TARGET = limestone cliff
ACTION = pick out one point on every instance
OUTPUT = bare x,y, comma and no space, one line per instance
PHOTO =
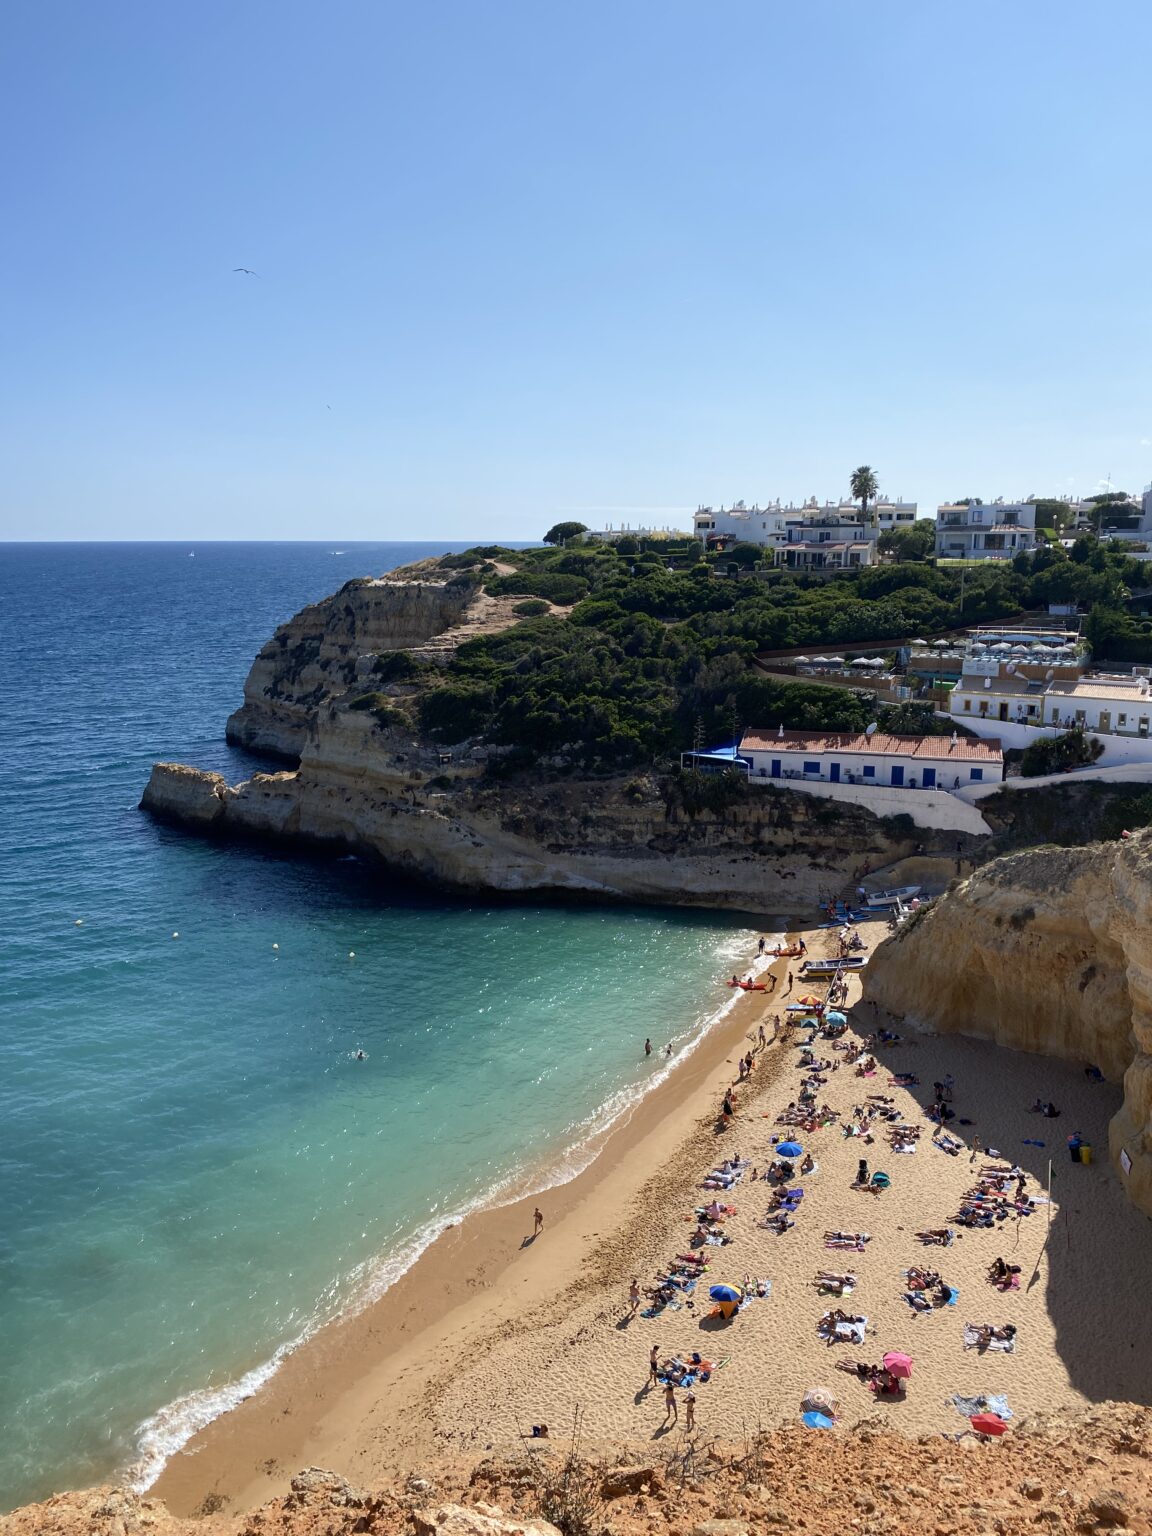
327,647
1049,950
369,790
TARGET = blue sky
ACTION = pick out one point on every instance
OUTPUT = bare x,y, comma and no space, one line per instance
522,261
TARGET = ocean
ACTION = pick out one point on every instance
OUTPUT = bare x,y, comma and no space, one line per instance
196,1170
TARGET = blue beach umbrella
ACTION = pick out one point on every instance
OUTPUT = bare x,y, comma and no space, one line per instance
835,1017
816,1420
726,1293
790,1149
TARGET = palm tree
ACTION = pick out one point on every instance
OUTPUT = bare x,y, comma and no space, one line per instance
865,488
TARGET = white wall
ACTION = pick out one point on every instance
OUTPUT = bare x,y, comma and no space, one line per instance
1117,749
927,808
1127,773
947,770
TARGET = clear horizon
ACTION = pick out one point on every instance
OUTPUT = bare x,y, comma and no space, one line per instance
512,265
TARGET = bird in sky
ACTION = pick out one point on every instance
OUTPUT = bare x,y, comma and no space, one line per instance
248,270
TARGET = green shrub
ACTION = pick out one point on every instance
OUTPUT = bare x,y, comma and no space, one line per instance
1059,754
398,667
382,709
555,586
531,607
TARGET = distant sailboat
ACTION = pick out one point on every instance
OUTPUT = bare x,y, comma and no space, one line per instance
191,554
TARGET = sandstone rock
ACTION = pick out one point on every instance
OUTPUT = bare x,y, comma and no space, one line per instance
1047,951
721,1528
1110,1507
621,1481
457,1520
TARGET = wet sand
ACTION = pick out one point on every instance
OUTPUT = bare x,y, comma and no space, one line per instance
492,1331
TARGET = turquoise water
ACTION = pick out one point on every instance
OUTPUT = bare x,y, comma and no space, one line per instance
195,1169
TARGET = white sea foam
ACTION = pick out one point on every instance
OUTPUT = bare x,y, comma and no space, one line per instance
168,1431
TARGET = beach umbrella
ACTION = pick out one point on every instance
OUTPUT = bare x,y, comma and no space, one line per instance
810,1001
839,660
820,1400
1001,645
817,1420
726,1293
835,1017
918,642
942,644
988,1424
800,661
898,1365
877,661
861,661
790,1149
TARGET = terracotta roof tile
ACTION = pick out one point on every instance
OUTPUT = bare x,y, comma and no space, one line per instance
931,748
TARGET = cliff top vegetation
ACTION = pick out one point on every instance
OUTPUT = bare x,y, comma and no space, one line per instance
647,646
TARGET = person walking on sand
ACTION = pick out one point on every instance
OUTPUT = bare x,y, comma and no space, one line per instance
762,1035
633,1295
689,1411
977,1148
537,1222
760,951
653,1365
671,1411
789,988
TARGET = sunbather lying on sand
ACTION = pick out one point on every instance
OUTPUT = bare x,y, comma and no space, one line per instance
922,1279
778,1223
826,1280
943,1237
848,1237
984,1334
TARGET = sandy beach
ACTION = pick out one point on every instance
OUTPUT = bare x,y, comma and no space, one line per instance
492,1331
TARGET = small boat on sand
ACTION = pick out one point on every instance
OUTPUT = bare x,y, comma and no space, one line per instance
894,897
830,967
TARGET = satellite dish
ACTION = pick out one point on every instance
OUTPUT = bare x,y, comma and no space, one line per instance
871,730
1049,675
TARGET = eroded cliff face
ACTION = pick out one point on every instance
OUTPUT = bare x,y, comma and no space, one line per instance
1050,951
331,646
368,790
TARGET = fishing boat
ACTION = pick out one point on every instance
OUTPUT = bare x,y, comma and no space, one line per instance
830,967
893,897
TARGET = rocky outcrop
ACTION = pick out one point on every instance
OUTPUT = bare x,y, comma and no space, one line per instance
1058,1473
1051,951
365,789
326,648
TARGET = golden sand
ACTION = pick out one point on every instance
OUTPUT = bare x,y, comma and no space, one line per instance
490,1333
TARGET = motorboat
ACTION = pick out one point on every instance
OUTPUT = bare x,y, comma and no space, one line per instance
892,898
829,967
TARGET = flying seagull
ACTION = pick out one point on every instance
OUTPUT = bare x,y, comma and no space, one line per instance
248,270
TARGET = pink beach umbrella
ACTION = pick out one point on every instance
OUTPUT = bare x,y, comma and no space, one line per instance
898,1365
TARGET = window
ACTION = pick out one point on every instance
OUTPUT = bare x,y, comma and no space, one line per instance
811,767
1121,719
869,772
977,775
968,704
977,515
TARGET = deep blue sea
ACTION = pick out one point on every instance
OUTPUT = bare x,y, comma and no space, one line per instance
195,1169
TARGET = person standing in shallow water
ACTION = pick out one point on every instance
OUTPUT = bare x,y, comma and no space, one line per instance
647,1047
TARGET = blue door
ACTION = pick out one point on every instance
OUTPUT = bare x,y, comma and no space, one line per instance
897,776
775,767
929,778
834,773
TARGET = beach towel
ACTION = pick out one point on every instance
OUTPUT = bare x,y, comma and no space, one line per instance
973,1340
983,1402
905,1146
843,1333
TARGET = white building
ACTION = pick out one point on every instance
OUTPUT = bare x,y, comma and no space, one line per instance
900,762
776,525
994,532
1019,686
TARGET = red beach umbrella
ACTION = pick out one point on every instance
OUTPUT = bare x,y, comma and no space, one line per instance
988,1424
898,1365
